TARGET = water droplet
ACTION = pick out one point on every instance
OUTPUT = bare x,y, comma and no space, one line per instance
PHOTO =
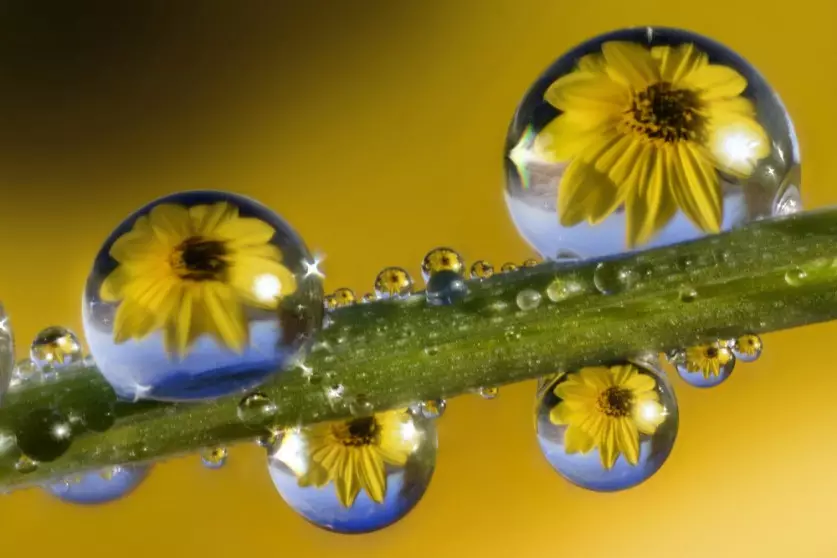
360,406
442,259
607,278
687,294
99,487
55,348
25,371
329,302
481,270
508,267
747,347
255,409
214,458
393,282
445,287
562,288
431,351
334,393
528,299
706,365
512,334
685,262
795,277
269,441
44,435
531,262
432,409
344,297
26,465
368,297
489,392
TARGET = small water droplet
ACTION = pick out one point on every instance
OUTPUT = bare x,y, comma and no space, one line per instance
531,262
562,288
508,267
344,297
393,282
747,347
55,348
489,392
214,458
368,297
528,299
44,435
606,278
360,406
481,269
442,259
431,351
684,263
26,465
329,302
432,409
512,334
334,393
795,277
445,288
687,294
255,409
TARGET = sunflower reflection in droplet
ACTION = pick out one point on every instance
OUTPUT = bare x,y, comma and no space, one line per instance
196,282
656,131
356,475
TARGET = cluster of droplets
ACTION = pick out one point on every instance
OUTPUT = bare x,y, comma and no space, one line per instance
711,364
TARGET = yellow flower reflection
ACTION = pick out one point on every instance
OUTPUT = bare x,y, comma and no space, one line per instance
352,454
650,129
607,408
191,271
707,359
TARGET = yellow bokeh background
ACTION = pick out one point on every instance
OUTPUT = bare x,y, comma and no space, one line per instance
376,128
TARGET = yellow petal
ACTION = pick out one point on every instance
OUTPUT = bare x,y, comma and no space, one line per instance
228,321
648,206
113,287
737,106
699,192
649,416
131,321
261,283
607,446
346,483
678,62
573,390
372,476
587,92
715,81
638,383
627,440
564,413
622,374
138,244
624,171
576,440
206,218
182,321
566,136
592,63
631,63
597,377
737,144
246,231
170,223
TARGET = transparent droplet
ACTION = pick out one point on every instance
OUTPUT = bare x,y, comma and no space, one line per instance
607,279
360,406
255,409
562,288
531,262
368,297
508,267
687,294
636,413
795,277
442,259
528,299
481,269
25,465
344,297
706,365
335,393
393,282
25,371
747,347
269,440
101,487
394,455
432,409
214,458
44,435
445,287
55,348
489,392
329,302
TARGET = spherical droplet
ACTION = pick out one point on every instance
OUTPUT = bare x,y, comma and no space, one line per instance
706,365
489,392
442,259
508,267
445,287
606,278
528,299
687,294
752,164
394,455
329,302
531,262
393,282
55,348
238,301
795,277
360,406
635,420
562,288
214,458
44,435
747,347
432,409
255,409
368,297
481,269
344,296
25,465
99,487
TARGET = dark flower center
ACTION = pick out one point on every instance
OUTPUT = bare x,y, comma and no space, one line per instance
199,259
712,352
616,402
662,112
362,431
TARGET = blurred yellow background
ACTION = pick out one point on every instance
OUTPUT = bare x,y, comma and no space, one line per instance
376,128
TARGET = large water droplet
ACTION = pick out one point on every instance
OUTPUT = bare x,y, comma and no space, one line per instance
489,392
44,435
481,269
795,277
706,365
442,259
687,294
607,278
747,347
393,282
214,458
344,297
99,487
55,348
528,299
255,409
25,465
445,287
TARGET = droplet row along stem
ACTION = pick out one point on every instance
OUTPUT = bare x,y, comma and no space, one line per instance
739,286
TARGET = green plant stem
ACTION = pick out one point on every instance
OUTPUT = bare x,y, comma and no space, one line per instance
769,276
